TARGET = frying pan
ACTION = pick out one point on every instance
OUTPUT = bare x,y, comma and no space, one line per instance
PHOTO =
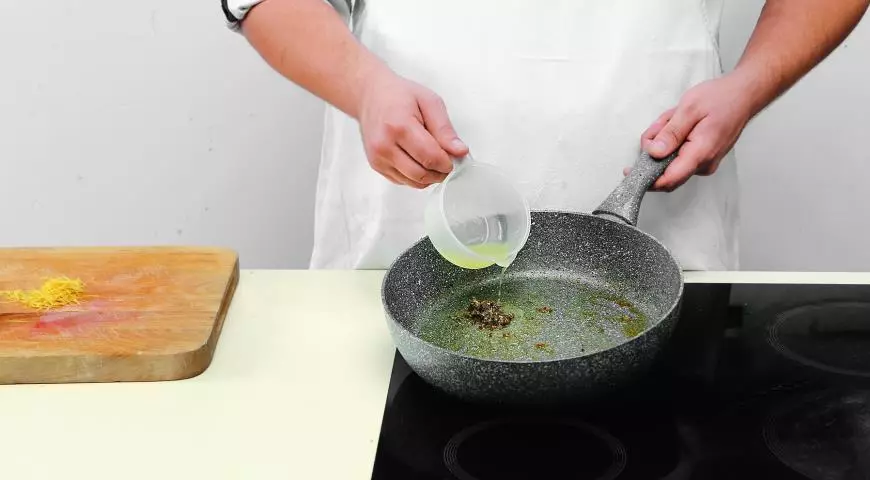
594,299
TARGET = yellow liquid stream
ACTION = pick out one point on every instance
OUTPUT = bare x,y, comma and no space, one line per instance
498,253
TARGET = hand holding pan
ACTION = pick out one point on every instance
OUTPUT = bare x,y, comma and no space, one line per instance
623,203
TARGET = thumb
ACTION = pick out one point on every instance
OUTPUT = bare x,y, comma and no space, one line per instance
672,135
438,124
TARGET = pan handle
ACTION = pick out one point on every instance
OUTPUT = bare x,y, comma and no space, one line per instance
623,203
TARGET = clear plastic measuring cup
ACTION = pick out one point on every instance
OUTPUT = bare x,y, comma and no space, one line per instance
476,217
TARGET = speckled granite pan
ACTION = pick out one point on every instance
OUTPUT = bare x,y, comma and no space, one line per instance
593,299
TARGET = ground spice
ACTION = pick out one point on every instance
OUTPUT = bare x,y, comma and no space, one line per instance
487,314
54,293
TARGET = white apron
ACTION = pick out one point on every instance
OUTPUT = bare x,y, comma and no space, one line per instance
555,92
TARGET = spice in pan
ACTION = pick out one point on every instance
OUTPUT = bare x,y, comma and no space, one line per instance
631,326
487,314
594,319
545,348
610,308
623,303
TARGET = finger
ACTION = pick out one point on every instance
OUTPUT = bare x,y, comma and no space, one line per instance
650,133
382,153
394,176
703,147
708,168
397,178
413,171
674,133
437,122
679,171
420,145
383,167
703,153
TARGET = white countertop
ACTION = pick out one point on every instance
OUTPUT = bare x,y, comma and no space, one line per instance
296,391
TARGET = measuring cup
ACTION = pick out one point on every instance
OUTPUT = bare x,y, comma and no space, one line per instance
476,217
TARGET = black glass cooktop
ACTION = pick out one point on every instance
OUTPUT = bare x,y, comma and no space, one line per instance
758,381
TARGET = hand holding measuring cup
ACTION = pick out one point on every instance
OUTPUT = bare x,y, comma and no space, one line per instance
407,134
477,217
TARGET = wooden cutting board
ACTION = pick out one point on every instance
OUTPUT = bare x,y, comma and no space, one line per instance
150,313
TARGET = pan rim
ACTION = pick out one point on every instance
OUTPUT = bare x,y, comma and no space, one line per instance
677,299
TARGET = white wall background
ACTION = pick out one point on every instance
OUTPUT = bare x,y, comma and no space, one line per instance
149,123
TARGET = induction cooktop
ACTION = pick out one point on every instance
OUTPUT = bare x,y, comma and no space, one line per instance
758,381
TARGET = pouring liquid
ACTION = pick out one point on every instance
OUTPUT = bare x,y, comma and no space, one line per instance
499,253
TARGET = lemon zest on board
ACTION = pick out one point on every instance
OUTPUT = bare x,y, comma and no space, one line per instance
54,293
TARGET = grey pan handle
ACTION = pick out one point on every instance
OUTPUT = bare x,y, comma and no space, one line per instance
623,203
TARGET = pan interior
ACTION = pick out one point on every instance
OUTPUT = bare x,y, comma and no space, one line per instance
591,271
555,316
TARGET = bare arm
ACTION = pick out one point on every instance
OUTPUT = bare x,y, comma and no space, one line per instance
407,135
307,42
790,38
